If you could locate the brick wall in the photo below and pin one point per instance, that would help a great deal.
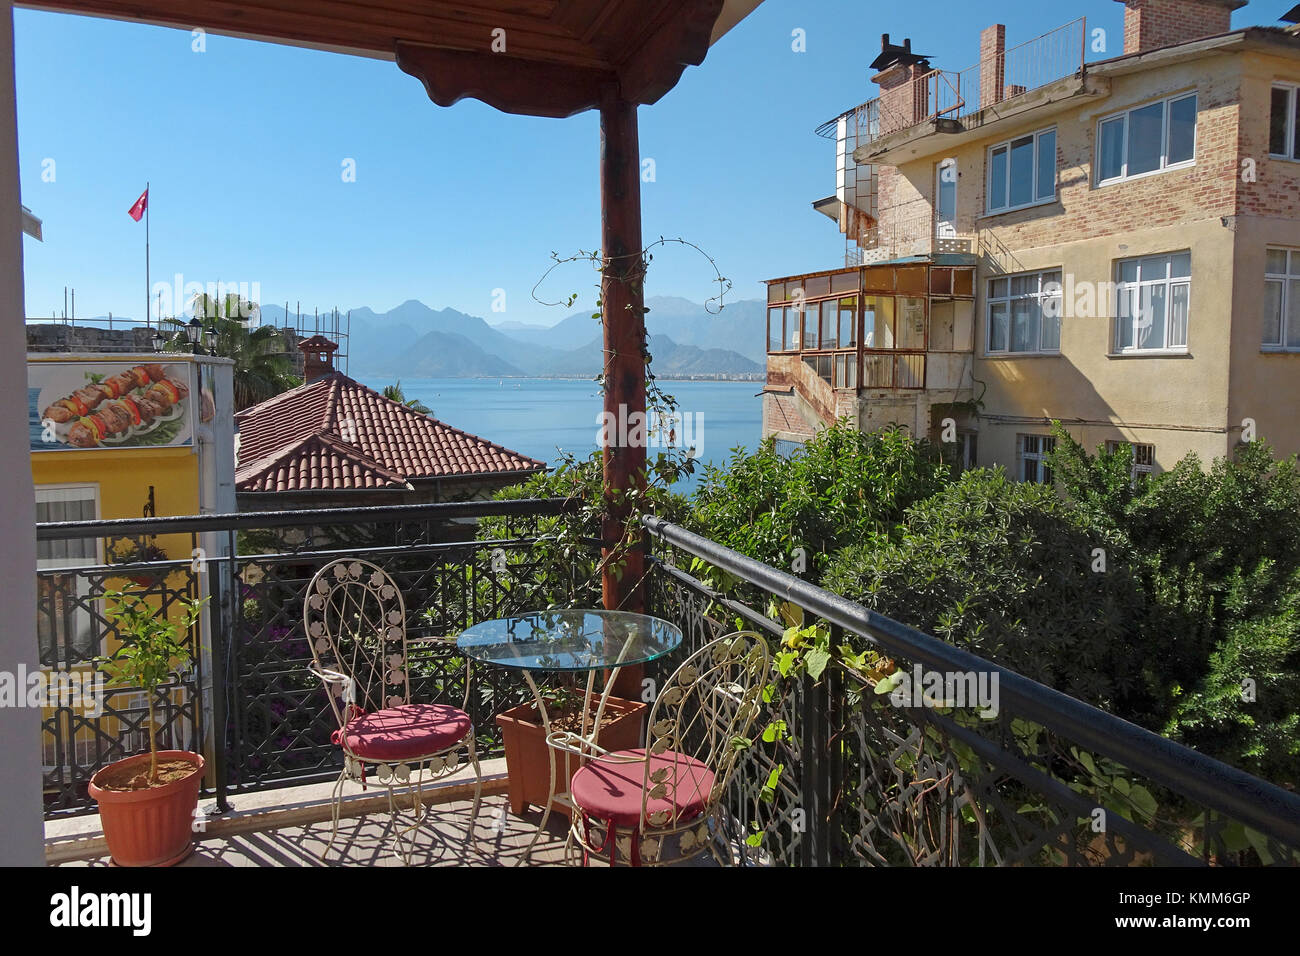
(1151, 24)
(1209, 189)
(1269, 188)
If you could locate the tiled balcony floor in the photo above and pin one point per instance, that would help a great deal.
(367, 841)
(291, 827)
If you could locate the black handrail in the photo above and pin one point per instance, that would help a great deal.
(1257, 803)
(260, 520)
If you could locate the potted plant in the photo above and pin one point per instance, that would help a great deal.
(140, 553)
(527, 762)
(147, 802)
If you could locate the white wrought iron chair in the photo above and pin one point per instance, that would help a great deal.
(355, 621)
(662, 804)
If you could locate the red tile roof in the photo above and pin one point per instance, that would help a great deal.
(336, 435)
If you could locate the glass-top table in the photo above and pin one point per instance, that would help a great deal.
(574, 642)
(570, 640)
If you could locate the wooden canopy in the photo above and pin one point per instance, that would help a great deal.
(537, 57)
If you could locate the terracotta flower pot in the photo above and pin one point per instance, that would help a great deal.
(527, 763)
(152, 827)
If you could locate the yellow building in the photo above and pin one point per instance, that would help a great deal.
(121, 436)
(1132, 225)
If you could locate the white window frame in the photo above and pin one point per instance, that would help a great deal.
(1046, 290)
(989, 208)
(42, 491)
(1144, 457)
(1044, 446)
(1169, 282)
(1292, 274)
(1291, 132)
(1165, 166)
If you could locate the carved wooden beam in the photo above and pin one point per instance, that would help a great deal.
(683, 40)
(510, 84)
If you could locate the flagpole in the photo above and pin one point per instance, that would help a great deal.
(147, 322)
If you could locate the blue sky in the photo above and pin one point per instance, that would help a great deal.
(244, 145)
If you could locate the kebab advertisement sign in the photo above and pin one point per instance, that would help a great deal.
(88, 405)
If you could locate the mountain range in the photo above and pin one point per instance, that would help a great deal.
(416, 341)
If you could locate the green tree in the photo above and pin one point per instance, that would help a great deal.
(1215, 550)
(1006, 570)
(839, 489)
(262, 369)
(394, 393)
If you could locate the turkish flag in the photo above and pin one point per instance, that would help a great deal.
(141, 204)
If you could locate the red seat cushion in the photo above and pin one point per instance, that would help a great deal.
(406, 732)
(612, 791)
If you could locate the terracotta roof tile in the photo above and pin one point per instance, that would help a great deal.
(337, 434)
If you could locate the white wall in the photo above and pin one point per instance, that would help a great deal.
(21, 832)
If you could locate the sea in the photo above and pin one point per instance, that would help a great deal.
(545, 418)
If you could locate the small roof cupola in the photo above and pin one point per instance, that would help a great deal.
(317, 358)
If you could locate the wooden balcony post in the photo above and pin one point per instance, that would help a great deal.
(623, 299)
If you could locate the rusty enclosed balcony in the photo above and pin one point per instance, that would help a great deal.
(882, 339)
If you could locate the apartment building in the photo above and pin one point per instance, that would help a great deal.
(1114, 243)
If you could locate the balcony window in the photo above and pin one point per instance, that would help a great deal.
(809, 324)
(829, 324)
(1022, 172)
(1033, 453)
(910, 330)
(1024, 314)
(774, 330)
(1148, 139)
(1281, 329)
(790, 340)
(1284, 123)
(1153, 303)
(821, 365)
(848, 322)
(846, 370)
(878, 322)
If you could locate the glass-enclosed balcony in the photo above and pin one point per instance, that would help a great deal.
(888, 326)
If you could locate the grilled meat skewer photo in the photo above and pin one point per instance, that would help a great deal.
(88, 398)
(116, 415)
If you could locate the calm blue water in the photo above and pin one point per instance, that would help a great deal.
(540, 417)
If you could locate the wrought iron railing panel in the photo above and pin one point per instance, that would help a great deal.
(844, 775)
(275, 723)
(94, 726)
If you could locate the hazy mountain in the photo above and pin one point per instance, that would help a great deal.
(669, 358)
(739, 327)
(416, 341)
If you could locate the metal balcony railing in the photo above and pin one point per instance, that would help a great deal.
(963, 96)
(835, 774)
(839, 775)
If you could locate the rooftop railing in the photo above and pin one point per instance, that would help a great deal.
(964, 96)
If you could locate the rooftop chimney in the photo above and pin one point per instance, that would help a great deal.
(1152, 24)
(993, 65)
(317, 358)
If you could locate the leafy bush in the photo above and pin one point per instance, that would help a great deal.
(1006, 570)
(844, 487)
(1217, 552)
